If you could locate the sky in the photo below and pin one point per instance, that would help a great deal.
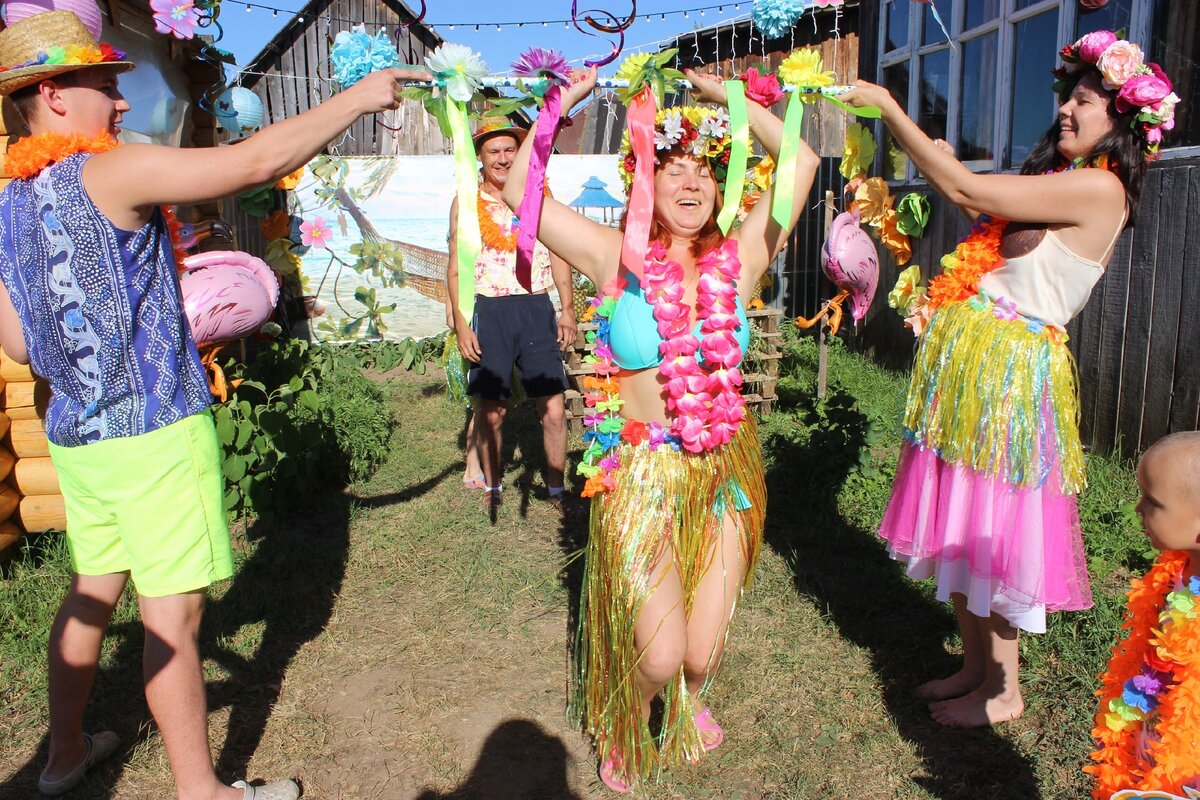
(246, 32)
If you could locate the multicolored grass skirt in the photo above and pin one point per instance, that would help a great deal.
(665, 501)
(984, 496)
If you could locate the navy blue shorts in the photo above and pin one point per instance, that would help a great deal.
(519, 330)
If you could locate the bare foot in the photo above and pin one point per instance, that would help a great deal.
(956, 685)
(978, 709)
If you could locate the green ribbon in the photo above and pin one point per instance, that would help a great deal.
(739, 154)
(468, 241)
(785, 169)
(782, 193)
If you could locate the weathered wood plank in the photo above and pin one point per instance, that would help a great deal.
(1112, 340)
(1138, 316)
(1166, 318)
(1185, 400)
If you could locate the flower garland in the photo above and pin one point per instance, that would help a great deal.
(1140, 86)
(494, 236)
(706, 401)
(27, 157)
(1152, 681)
(72, 55)
(974, 257)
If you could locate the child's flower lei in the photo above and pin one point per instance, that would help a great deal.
(706, 401)
(1140, 85)
(73, 55)
(1152, 681)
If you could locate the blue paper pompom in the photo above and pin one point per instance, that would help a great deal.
(776, 17)
(355, 54)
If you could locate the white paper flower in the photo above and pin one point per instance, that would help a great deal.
(457, 68)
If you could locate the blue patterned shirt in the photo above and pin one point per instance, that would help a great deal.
(100, 309)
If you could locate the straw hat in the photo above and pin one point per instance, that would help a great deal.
(492, 129)
(27, 46)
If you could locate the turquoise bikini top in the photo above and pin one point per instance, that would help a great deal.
(634, 336)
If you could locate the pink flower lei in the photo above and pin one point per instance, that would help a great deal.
(706, 401)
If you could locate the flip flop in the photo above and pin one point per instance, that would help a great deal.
(608, 774)
(477, 482)
(708, 724)
(279, 790)
(99, 747)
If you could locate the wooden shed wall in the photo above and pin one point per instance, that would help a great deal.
(1137, 342)
(296, 75)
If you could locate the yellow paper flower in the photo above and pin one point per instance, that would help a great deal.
(858, 153)
(872, 199)
(279, 257)
(891, 237)
(633, 65)
(908, 288)
(806, 69)
(289, 182)
(764, 173)
(898, 161)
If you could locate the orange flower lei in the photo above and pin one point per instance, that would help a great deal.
(27, 157)
(975, 256)
(1175, 757)
(493, 235)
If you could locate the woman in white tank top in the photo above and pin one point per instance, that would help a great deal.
(984, 496)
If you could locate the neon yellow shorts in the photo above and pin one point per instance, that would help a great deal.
(150, 505)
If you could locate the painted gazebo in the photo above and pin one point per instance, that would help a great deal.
(595, 195)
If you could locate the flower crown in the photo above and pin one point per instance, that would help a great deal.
(72, 55)
(1140, 86)
(703, 133)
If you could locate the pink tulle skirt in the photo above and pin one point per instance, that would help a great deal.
(1014, 551)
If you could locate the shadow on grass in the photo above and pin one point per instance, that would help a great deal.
(519, 760)
(847, 573)
(282, 595)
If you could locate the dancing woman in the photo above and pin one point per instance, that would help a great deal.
(984, 496)
(679, 500)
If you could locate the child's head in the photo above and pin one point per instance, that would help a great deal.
(1169, 476)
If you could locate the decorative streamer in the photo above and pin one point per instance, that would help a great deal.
(618, 27)
(739, 154)
(469, 241)
(530, 212)
(785, 182)
(640, 120)
(614, 27)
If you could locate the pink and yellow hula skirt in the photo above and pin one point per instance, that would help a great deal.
(984, 496)
(664, 501)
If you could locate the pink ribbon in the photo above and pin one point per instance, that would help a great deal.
(530, 212)
(640, 120)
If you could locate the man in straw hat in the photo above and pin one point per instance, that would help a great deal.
(91, 300)
(514, 324)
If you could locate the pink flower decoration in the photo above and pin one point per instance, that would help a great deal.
(1005, 309)
(762, 89)
(1119, 63)
(1093, 45)
(315, 233)
(1142, 90)
(176, 17)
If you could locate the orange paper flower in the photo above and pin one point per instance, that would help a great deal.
(896, 241)
(289, 182)
(277, 226)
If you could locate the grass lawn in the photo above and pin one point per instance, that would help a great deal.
(388, 642)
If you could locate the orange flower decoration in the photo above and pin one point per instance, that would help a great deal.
(896, 241)
(1173, 757)
(975, 256)
(277, 226)
(873, 200)
(289, 182)
(31, 155)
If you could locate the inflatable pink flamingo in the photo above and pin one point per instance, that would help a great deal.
(850, 260)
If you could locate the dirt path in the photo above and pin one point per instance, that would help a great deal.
(393, 645)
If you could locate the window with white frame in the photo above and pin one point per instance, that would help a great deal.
(989, 92)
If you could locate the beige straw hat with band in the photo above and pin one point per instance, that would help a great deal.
(50, 44)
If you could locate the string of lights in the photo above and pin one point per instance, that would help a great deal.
(717, 9)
